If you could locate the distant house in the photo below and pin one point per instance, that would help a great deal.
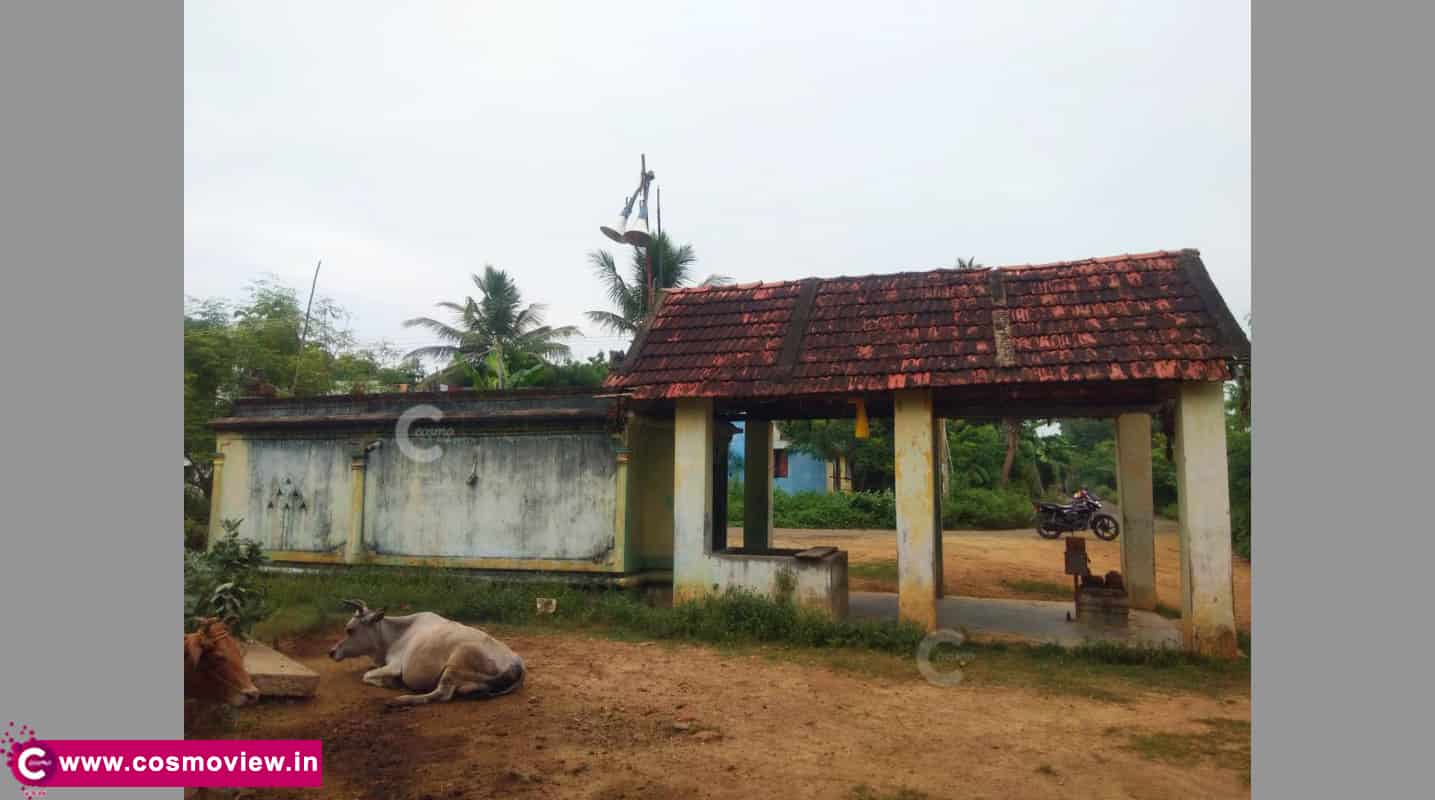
(792, 471)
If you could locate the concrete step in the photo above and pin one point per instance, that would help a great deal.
(277, 675)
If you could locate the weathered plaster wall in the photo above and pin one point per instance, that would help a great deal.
(652, 491)
(542, 500)
(535, 496)
(291, 493)
(819, 583)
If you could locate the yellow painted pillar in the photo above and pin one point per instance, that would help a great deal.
(757, 485)
(622, 541)
(1208, 612)
(358, 469)
(216, 487)
(1138, 515)
(692, 497)
(919, 509)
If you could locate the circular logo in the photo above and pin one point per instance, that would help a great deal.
(34, 763)
(929, 644)
(423, 455)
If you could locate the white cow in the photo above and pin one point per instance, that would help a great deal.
(426, 653)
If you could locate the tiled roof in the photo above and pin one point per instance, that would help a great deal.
(1131, 317)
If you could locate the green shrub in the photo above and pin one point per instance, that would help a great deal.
(1241, 530)
(224, 582)
(734, 503)
(987, 508)
(196, 534)
(196, 505)
(835, 510)
(965, 508)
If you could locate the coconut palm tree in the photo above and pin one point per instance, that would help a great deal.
(490, 331)
(632, 298)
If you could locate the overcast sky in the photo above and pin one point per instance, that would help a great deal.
(407, 147)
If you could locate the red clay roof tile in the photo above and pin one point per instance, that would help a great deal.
(1154, 316)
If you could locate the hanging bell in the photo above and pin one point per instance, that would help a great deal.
(860, 430)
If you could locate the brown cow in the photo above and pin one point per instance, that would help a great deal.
(214, 668)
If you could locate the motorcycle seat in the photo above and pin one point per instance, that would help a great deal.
(1051, 506)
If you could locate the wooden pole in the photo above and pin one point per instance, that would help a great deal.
(294, 386)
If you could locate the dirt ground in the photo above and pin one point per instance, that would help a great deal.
(608, 719)
(995, 563)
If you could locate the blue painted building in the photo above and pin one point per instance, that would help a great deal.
(804, 473)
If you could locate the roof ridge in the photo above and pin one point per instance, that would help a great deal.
(715, 287)
(910, 272)
(1105, 259)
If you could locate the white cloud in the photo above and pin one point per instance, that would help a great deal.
(408, 146)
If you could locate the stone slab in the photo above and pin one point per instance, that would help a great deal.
(277, 675)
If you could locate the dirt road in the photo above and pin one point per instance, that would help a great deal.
(1016, 563)
(607, 719)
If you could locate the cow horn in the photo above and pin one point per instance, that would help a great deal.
(357, 605)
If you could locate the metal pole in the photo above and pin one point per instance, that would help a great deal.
(294, 386)
(656, 260)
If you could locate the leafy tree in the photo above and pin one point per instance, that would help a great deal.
(569, 373)
(227, 346)
(489, 334)
(661, 265)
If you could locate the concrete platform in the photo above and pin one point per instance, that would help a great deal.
(1032, 621)
(277, 675)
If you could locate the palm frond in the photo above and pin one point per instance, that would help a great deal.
(440, 329)
(607, 271)
(433, 351)
(612, 322)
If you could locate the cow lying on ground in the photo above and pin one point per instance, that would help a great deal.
(214, 668)
(428, 654)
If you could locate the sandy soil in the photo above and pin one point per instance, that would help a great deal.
(608, 719)
(986, 563)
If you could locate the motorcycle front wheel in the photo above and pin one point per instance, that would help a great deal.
(1105, 527)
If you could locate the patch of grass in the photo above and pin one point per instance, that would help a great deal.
(865, 792)
(309, 601)
(1102, 671)
(1225, 742)
(874, 570)
(1045, 590)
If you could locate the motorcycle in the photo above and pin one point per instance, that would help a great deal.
(1084, 511)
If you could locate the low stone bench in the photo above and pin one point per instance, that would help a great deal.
(278, 675)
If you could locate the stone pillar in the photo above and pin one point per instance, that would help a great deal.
(1138, 514)
(692, 497)
(757, 485)
(1208, 613)
(358, 471)
(919, 508)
